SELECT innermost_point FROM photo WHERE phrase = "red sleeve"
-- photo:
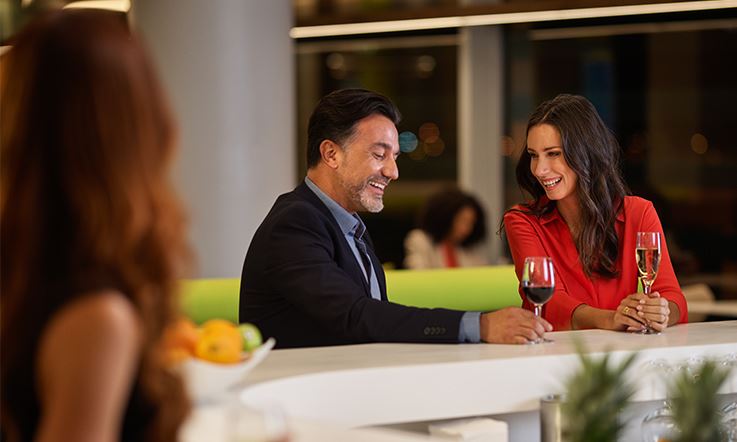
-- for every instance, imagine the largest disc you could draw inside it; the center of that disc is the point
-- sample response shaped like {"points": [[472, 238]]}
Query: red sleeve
{"points": [[525, 241], [666, 282]]}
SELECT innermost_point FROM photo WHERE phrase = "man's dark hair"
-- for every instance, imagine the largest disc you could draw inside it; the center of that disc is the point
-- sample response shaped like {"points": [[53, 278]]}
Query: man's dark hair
{"points": [[337, 113]]}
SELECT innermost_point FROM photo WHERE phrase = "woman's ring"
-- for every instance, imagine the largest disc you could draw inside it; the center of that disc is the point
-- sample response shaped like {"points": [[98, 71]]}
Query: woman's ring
{"points": [[625, 310]]}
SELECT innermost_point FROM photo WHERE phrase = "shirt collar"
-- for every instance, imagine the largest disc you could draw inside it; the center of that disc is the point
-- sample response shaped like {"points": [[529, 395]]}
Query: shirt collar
{"points": [[346, 220]]}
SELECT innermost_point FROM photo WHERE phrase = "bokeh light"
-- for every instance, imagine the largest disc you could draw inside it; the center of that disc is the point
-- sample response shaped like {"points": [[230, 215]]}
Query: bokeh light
{"points": [[425, 66], [407, 142], [429, 132], [699, 144], [335, 61], [509, 146], [435, 149], [419, 153], [337, 65]]}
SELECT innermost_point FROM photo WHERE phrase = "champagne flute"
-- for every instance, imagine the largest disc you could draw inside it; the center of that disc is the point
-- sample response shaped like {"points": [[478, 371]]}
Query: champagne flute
{"points": [[647, 255], [538, 283], [659, 425]]}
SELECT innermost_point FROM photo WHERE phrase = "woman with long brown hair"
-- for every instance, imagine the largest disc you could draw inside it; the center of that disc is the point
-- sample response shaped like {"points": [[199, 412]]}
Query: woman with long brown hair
{"points": [[92, 235], [581, 216]]}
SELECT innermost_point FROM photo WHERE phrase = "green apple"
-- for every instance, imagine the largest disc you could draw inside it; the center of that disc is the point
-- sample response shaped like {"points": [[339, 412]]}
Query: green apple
{"points": [[251, 336]]}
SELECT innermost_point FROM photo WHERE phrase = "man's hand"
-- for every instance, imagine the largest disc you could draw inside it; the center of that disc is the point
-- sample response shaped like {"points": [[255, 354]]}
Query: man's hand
{"points": [[512, 325]]}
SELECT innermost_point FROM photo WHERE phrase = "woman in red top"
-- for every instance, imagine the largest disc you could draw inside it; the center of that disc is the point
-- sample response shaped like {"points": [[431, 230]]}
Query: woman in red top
{"points": [[581, 217]]}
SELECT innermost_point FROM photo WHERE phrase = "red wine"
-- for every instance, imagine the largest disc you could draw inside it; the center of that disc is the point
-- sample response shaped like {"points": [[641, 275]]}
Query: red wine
{"points": [[538, 295]]}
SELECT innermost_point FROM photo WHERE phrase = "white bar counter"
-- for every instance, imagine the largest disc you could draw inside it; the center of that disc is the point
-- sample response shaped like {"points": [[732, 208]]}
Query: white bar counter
{"points": [[385, 384]]}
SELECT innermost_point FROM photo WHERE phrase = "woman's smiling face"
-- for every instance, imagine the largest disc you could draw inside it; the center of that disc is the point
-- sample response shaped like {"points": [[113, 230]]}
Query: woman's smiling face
{"points": [[548, 165]]}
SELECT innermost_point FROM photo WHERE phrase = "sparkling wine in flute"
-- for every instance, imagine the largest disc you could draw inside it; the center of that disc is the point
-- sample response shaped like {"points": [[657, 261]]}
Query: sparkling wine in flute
{"points": [[647, 255], [648, 261]]}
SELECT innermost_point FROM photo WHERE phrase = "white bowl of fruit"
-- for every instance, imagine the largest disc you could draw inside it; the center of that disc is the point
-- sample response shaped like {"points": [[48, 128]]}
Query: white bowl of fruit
{"points": [[215, 357]]}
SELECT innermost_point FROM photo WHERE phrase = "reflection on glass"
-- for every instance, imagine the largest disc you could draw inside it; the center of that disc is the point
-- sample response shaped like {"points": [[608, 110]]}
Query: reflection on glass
{"points": [[419, 73], [659, 372], [729, 421], [662, 85], [265, 423], [659, 426]]}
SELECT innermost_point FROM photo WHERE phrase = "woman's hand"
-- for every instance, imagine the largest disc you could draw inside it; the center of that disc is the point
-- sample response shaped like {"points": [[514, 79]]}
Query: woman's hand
{"points": [[626, 315], [648, 310]]}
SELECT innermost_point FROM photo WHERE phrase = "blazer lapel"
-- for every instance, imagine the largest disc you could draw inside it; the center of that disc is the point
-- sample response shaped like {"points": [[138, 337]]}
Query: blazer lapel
{"points": [[357, 272]]}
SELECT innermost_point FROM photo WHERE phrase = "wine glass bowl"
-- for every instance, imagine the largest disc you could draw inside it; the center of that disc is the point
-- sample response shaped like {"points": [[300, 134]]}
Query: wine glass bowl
{"points": [[659, 426], [538, 283], [647, 256]]}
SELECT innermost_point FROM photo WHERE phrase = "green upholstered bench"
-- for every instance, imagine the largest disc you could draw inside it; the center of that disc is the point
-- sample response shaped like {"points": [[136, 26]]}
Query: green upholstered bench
{"points": [[203, 299], [470, 289], [473, 289]]}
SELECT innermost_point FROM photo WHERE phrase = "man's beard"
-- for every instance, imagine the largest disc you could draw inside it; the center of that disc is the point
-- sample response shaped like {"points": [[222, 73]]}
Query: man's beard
{"points": [[370, 203], [360, 195]]}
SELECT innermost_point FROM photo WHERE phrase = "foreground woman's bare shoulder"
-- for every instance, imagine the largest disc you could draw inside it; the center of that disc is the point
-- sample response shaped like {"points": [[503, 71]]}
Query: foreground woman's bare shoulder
{"points": [[88, 357]]}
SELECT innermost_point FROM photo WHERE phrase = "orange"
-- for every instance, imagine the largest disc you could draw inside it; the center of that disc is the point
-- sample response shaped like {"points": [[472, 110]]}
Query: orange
{"points": [[175, 356], [222, 345], [216, 326], [181, 335]]}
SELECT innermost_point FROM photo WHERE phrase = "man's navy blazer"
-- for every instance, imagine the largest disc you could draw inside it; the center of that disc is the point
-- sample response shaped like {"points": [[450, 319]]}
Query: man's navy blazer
{"points": [[302, 285]]}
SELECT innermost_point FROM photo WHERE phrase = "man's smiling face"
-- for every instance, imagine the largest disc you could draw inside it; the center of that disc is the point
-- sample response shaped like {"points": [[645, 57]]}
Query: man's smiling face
{"points": [[367, 163]]}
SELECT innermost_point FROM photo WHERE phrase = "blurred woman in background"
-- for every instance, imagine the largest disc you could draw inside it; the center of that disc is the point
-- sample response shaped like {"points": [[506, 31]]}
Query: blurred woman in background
{"points": [[581, 216], [92, 235], [452, 225]]}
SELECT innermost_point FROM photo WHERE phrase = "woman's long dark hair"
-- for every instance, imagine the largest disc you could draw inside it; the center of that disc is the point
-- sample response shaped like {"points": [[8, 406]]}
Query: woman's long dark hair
{"points": [[592, 151], [86, 204]]}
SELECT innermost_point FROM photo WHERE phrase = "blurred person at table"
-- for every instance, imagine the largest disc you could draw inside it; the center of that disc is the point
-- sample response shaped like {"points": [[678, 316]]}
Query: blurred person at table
{"points": [[92, 236], [452, 226], [581, 216], [310, 275]]}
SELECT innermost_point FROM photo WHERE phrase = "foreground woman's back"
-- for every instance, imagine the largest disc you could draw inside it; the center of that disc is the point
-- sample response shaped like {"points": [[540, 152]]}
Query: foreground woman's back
{"points": [[92, 235]]}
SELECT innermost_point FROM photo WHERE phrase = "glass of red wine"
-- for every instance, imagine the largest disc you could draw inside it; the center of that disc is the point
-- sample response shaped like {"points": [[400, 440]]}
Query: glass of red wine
{"points": [[538, 283]]}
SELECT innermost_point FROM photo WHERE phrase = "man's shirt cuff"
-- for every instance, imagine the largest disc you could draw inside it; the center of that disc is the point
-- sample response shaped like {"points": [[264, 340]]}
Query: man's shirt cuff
{"points": [[470, 328]]}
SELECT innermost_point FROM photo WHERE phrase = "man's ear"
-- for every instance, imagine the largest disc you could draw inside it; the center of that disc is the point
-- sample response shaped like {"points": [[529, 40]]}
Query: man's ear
{"points": [[330, 153]]}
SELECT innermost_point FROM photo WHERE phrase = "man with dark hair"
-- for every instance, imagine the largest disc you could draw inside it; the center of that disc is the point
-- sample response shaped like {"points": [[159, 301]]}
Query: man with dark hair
{"points": [[311, 277]]}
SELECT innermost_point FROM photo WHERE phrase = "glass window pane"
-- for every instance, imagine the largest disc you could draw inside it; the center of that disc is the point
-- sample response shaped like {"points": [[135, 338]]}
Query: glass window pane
{"points": [[668, 91], [419, 73]]}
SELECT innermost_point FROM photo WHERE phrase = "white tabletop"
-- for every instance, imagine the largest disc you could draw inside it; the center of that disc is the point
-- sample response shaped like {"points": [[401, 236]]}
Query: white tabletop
{"points": [[379, 384]]}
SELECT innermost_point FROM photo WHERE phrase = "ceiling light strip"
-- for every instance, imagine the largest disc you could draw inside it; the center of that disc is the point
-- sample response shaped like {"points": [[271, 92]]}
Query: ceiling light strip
{"points": [[111, 5], [505, 18]]}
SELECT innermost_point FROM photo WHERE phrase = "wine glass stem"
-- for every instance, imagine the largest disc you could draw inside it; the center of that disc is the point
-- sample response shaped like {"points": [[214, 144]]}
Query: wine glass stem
{"points": [[536, 310]]}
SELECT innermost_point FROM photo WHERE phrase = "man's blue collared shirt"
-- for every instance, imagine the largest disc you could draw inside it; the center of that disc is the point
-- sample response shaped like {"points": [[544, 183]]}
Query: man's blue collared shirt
{"points": [[348, 224]]}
